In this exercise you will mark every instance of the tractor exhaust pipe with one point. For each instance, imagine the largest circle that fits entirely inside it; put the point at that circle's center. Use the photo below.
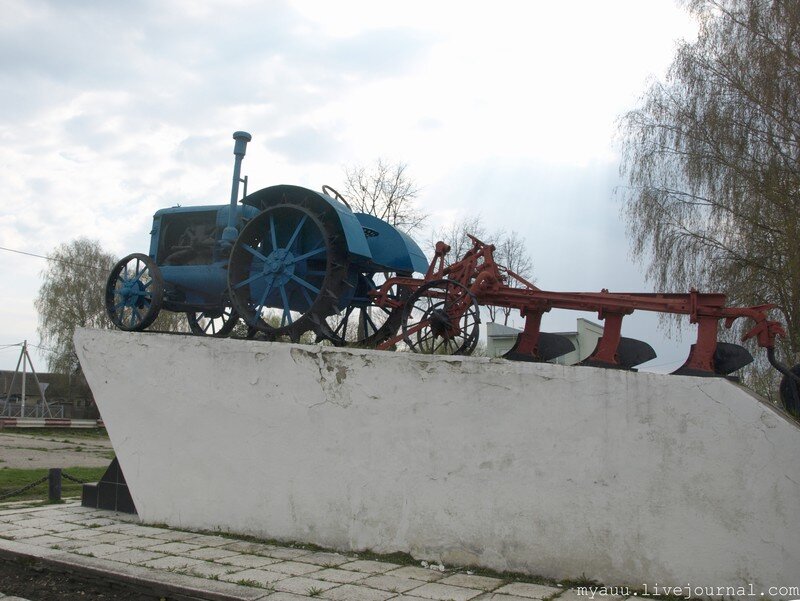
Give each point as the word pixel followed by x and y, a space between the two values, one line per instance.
pixel 230 233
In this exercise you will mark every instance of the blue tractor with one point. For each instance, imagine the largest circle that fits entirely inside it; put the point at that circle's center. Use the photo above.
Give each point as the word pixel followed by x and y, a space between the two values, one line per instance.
pixel 285 260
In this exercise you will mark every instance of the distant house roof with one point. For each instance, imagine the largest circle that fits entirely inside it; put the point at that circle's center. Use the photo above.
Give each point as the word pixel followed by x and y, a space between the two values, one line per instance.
pixel 6 378
pixel 48 380
pixel 498 330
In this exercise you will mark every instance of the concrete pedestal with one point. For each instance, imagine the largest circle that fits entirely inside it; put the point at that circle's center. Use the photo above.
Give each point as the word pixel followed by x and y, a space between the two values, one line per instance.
pixel 626 478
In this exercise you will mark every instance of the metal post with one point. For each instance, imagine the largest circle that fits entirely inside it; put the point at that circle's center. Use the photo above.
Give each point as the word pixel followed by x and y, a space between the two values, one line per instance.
pixel 54 485
pixel 6 405
pixel 230 233
pixel 45 405
pixel 24 366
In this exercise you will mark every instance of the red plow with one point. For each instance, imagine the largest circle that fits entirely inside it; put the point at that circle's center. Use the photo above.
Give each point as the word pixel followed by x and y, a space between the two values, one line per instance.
pixel 440 314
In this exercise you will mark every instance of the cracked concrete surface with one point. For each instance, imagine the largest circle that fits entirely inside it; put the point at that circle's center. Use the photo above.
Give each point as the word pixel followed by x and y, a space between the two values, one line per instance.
pixel 210 566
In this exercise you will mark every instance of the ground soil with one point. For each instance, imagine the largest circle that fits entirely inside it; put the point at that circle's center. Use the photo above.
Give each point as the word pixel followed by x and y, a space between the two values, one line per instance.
pixel 37 583
pixel 61 449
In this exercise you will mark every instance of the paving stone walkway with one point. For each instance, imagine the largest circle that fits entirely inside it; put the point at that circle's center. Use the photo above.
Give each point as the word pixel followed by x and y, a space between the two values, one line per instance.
pixel 117 545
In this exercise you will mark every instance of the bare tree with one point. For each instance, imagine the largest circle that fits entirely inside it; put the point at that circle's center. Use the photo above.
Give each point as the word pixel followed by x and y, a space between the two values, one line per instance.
pixel 456 236
pixel 510 252
pixel 712 158
pixel 385 191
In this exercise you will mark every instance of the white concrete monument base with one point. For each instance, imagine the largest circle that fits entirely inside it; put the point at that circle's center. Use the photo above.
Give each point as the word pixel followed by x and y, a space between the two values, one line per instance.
pixel 564 472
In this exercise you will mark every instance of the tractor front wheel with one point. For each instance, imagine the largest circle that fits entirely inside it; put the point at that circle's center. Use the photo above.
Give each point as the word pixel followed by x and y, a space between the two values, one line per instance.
pixel 134 292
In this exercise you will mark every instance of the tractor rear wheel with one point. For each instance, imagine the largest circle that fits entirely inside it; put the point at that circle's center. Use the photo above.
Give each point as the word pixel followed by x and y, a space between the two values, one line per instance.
pixel 218 323
pixel 363 323
pixel 288 269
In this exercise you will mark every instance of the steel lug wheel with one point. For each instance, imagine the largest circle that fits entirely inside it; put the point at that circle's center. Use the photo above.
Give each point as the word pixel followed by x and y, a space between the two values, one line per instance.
pixel 365 324
pixel 134 292
pixel 287 269
pixel 219 323
pixel 441 317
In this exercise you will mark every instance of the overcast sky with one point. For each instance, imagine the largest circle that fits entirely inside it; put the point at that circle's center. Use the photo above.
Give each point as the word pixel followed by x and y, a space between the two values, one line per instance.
pixel 112 110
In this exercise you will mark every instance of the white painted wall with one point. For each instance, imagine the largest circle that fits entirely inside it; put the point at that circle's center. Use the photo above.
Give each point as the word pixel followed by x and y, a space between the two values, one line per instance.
pixel 500 339
pixel 627 478
pixel 584 339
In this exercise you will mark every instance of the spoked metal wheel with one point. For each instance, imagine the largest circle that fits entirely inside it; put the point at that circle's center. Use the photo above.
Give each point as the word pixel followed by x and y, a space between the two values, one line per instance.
pixel 134 292
pixel 219 323
pixel 441 317
pixel 287 269
pixel 363 323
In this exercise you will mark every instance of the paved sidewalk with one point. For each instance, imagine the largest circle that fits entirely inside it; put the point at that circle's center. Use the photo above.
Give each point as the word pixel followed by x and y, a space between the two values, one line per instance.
pixel 117 547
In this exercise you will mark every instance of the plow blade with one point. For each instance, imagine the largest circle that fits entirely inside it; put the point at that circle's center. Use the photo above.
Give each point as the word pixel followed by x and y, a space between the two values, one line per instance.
pixel 630 353
pixel 633 352
pixel 790 393
pixel 550 346
pixel 728 357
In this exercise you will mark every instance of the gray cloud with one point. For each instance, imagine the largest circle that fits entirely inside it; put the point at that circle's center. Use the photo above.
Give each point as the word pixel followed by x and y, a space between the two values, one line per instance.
pixel 89 131
pixel 73 42
pixel 184 69
pixel 198 149
pixel 377 53
pixel 305 144
pixel 567 214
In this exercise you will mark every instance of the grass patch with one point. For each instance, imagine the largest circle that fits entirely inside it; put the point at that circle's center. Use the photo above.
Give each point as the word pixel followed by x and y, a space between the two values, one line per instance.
pixel 42 449
pixel 14 479
pixel 396 557
pixel 59 433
